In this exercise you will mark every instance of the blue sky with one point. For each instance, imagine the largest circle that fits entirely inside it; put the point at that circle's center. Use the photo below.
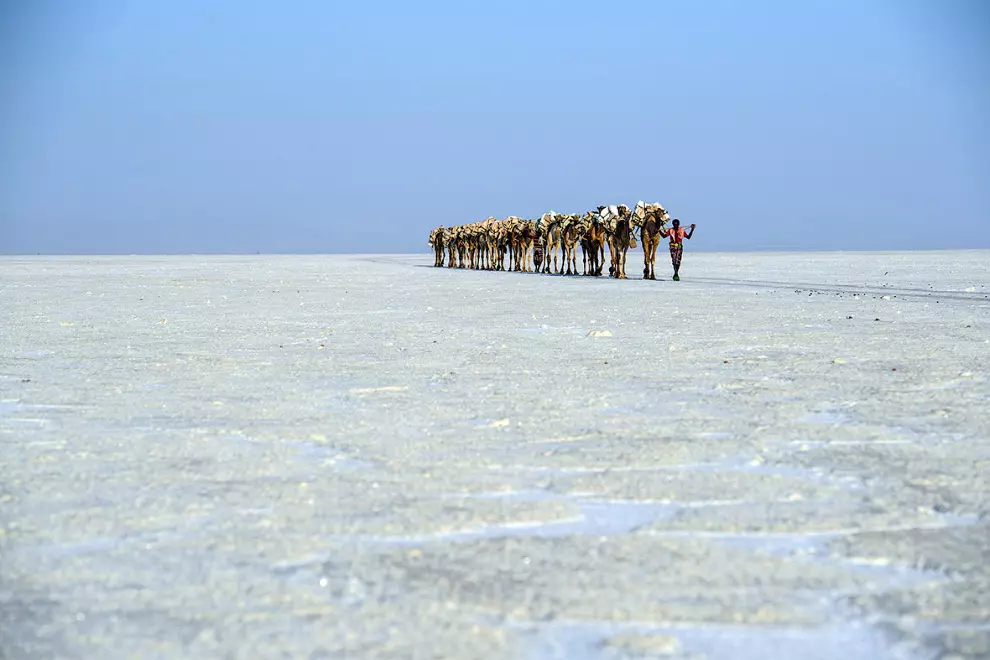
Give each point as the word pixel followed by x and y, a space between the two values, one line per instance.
pixel 141 126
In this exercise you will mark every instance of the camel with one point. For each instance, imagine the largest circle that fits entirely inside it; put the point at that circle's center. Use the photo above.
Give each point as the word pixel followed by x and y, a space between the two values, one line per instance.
pixel 584 238
pixel 437 242
pixel 451 240
pixel 594 238
pixel 543 241
pixel 527 240
pixel 483 245
pixel 462 245
pixel 511 240
pixel 499 243
pixel 468 237
pixel 618 224
pixel 521 234
pixel 570 235
pixel 650 219
pixel 490 243
pixel 479 240
pixel 550 228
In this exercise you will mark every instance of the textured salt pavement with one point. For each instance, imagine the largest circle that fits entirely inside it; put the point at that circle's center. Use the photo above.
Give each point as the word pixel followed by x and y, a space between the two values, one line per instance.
pixel 783 455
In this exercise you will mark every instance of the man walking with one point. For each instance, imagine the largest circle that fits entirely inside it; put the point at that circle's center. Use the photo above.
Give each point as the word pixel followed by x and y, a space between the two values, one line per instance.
pixel 677 236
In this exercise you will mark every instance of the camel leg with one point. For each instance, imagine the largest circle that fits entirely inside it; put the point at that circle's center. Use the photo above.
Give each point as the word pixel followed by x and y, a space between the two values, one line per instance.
pixel 647 243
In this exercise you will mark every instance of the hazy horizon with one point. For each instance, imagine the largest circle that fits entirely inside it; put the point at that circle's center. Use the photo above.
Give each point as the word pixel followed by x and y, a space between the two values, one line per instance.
pixel 338 128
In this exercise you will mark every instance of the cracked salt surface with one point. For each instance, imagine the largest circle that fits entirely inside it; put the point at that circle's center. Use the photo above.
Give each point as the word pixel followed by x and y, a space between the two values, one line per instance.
pixel 514 486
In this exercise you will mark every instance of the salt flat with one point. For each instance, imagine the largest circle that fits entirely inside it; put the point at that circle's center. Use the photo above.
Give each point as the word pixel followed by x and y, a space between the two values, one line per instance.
pixel 783 455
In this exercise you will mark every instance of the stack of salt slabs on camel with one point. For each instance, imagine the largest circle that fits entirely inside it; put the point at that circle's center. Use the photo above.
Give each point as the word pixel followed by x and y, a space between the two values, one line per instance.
pixel 643 209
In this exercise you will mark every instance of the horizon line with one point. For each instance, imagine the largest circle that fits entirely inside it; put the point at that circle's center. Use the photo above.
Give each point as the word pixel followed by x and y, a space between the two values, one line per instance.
pixel 764 250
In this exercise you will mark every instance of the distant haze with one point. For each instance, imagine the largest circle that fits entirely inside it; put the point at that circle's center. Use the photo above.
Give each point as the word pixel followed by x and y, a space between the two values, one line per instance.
pixel 332 126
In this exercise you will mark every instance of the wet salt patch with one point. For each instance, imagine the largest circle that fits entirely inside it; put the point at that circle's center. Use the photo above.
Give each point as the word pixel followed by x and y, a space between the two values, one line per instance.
pixel 255 511
pixel 571 470
pixel 826 417
pixel 578 497
pixel 814 546
pixel 108 544
pixel 8 406
pixel 330 457
pixel 53 406
pixel 596 518
pixel 546 329
pixel 735 465
pixel 89 546
pixel 953 626
pixel 327 454
pixel 36 354
pixel 26 420
pixel 587 640
pixel 757 466
pixel 561 442
pixel 739 465
pixel 840 443
pixel 715 436
pixel 809 541
pixel 937 387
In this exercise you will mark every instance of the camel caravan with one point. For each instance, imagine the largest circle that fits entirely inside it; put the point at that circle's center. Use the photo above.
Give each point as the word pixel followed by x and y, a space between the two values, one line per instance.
pixel 534 245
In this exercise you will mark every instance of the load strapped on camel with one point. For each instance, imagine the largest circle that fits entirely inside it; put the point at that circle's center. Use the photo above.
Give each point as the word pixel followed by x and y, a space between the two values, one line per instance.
pixel 650 219
pixel 533 245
